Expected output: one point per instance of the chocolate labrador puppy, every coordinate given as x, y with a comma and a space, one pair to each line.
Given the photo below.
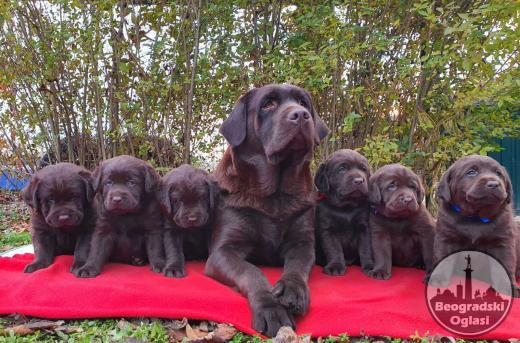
401, 228
62, 218
187, 197
476, 213
342, 213
129, 226
266, 213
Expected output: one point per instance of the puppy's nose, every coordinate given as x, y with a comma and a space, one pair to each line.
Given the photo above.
193, 219
358, 180
492, 184
298, 115
117, 198
406, 199
62, 218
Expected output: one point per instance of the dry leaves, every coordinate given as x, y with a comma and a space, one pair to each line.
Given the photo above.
206, 331
31, 327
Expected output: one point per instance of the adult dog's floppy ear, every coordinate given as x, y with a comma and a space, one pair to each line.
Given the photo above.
321, 179
374, 193
320, 128
443, 187
87, 180
214, 191
30, 194
234, 128
151, 179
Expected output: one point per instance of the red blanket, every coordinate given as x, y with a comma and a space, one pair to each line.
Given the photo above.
353, 304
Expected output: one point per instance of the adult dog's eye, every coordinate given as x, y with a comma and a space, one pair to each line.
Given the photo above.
302, 102
499, 173
342, 170
269, 104
392, 187
413, 187
363, 168
472, 172
130, 183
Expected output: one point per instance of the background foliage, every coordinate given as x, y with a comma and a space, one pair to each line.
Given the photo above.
417, 82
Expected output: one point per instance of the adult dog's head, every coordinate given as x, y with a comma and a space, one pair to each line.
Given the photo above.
61, 193
477, 185
125, 184
343, 178
188, 196
396, 191
276, 120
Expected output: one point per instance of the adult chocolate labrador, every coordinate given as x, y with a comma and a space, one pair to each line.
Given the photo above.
266, 215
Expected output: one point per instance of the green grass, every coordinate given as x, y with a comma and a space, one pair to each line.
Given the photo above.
11, 240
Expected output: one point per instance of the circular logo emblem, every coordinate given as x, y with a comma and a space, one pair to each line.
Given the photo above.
469, 293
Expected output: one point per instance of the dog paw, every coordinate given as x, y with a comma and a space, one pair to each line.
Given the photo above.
35, 266
157, 267
269, 316
76, 266
87, 272
175, 271
335, 269
379, 274
293, 293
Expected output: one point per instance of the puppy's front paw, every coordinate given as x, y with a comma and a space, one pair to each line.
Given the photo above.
269, 315
379, 274
35, 266
157, 267
175, 271
87, 271
335, 269
293, 293
76, 266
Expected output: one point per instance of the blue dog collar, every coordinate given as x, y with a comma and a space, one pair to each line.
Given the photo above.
457, 210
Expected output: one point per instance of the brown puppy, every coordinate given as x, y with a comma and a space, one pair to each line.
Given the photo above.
342, 213
129, 225
187, 197
62, 218
266, 213
401, 228
476, 213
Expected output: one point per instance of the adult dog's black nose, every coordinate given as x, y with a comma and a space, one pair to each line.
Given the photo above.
298, 115
492, 184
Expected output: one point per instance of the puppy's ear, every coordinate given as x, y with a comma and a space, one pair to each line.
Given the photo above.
30, 194
234, 128
374, 193
420, 191
214, 191
443, 187
163, 196
89, 188
321, 180
509, 186
97, 178
151, 179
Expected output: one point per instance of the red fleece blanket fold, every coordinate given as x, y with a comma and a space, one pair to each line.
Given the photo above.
353, 304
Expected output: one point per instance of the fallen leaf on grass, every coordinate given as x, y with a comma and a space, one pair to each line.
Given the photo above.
222, 333
29, 328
